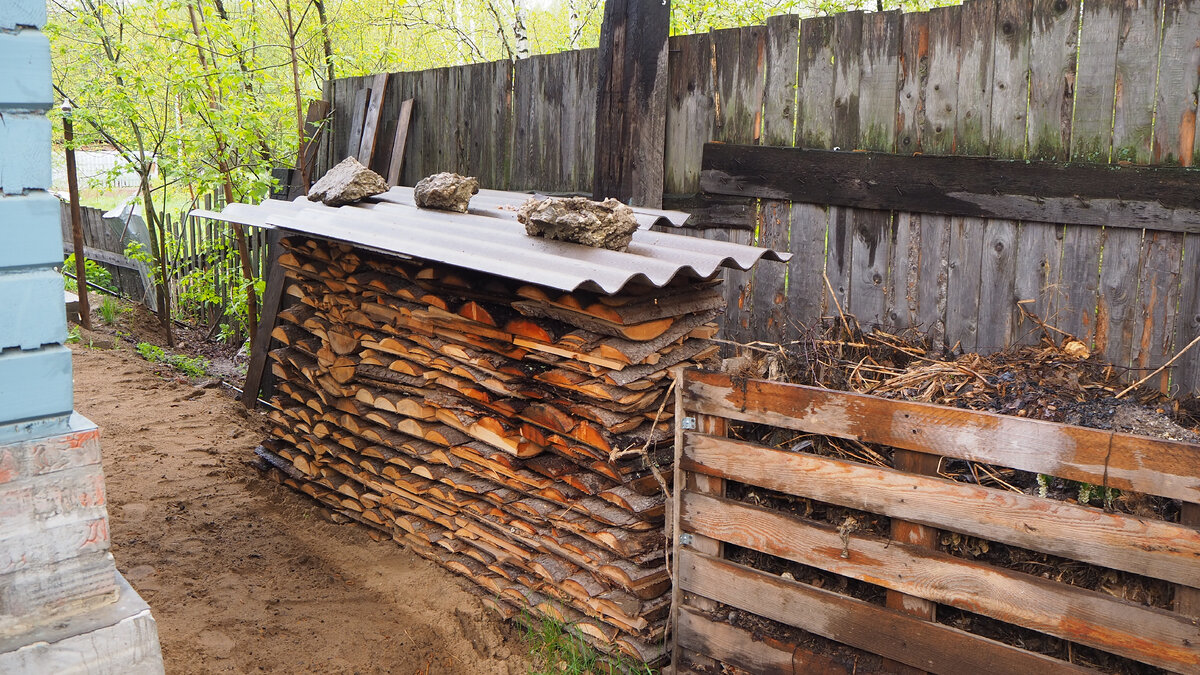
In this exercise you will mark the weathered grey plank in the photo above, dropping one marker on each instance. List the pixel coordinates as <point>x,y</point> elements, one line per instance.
<point>1051,85</point>
<point>846,136</point>
<point>814,129</point>
<point>690,111</point>
<point>914,72</point>
<point>814,118</point>
<point>903,300</point>
<point>997,299</point>
<point>1010,78</point>
<point>630,102</point>
<point>1133,120</point>
<point>974,108</point>
<point>1091,140</point>
<point>769,318</point>
<point>941,89</point>
<point>938,137</point>
<point>964,276</point>
<point>739,85</point>
<point>873,234</point>
<point>1186,375</point>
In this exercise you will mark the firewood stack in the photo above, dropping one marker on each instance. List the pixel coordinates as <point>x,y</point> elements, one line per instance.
<point>512,434</point>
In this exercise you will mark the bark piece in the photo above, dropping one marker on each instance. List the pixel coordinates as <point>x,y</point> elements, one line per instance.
<point>445,191</point>
<point>346,183</point>
<point>607,224</point>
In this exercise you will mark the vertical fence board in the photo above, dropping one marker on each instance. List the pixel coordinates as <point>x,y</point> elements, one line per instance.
<point>1173,143</point>
<point>1091,141</point>
<point>1051,98</point>
<point>769,290</point>
<point>904,308</point>
<point>847,73</point>
<point>740,55</point>
<point>814,122</point>
<point>1133,119</point>
<point>871,245</point>
<point>1186,373</point>
<point>938,137</point>
<point>690,111</point>
<point>974,107</point>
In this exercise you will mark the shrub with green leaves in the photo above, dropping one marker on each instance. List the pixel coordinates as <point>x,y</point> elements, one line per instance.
<point>96,274</point>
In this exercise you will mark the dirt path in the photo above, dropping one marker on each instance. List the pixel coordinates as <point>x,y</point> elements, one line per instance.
<point>246,576</point>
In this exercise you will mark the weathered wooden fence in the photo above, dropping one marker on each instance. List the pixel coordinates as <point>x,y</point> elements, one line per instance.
<point>897,574</point>
<point>105,241</point>
<point>205,271</point>
<point>1098,82</point>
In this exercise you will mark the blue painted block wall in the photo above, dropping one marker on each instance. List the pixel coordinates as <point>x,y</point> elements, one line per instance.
<point>35,369</point>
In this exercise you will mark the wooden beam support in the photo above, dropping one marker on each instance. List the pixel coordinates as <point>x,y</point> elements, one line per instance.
<point>258,371</point>
<point>1159,198</point>
<point>631,102</point>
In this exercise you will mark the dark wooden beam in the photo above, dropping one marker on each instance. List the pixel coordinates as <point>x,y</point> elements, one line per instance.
<point>1159,198</point>
<point>631,102</point>
<point>258,372</point>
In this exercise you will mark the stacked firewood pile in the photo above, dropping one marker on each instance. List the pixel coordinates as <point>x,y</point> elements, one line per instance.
<point>508,433</point>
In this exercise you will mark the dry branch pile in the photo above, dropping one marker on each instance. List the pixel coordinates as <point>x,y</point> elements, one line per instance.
<point>508,433</point>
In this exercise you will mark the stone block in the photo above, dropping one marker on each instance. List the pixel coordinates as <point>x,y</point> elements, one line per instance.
<point>119,638</point>
<point>30,230</point>
<point>14,13</point>
<point>25,70</point>
<point>40,595</point>
<point>34,310</point>
<point>52,499</point>
<point>75,445</point>
<point>24,152</point>
<point>35,384</point>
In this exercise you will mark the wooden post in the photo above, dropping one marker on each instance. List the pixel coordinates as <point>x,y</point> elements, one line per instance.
<point>918,535</point>
<point>85,312</point>
<point>631,102</point>
<point>258,370</point>
<point>1187,598</point>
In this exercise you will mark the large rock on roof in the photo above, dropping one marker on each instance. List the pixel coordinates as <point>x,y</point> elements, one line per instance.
<point>607,224</point>
<point>346,183</point>
<point>445,191</point>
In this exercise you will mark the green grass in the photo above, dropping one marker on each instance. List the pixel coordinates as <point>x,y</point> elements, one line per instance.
<point>192,366</point>
<point>109,309</point>
<point>559,649</point>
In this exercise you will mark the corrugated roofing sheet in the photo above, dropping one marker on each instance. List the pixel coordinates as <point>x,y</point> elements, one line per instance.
<point>490,239</point>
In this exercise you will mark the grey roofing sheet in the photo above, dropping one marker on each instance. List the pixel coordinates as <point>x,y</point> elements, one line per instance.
<point>491,241</point>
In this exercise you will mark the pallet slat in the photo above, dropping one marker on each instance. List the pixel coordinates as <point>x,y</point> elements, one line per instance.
<point>1124,461</point>
<point>1145,634</point>
<point>922,644</point>
<point>1143,546</point>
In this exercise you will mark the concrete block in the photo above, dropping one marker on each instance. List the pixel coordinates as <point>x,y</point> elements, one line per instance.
<point>35,384</point>
<point>34,310</point>
<point>15,13</point>
<point>40,595</point>
<point>42,426</point>
<point>52,499</point>
<point>30,230</point>
<point>25,70</point>
<point>76,444</point>
<point>120,638</point>
<point>30,548</point>
<point>24,152</point>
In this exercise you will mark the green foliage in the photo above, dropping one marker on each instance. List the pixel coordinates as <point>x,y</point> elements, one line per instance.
<point>96,273</point>
<point>109,308</point>
<point>192,366</point>
<point>559,648</point>
<point>74,335</point>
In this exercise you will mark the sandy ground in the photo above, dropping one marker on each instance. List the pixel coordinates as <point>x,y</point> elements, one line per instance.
<point>246,576</point>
